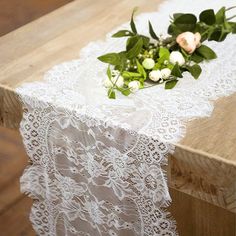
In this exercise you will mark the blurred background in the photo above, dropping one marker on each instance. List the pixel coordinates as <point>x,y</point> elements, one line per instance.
<point>14,206</point>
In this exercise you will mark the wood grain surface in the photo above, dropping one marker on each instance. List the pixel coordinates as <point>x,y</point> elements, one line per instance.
<point>14,206</point>
<point>15,13</point>
<point>204,163</point>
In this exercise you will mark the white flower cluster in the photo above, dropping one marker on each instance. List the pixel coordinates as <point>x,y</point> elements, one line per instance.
<point>118,81</point>
<point>163,74</point>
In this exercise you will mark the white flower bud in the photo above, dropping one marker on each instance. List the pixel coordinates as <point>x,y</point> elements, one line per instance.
<point>166,72</point>
<point>134,86</point>
<point>148,63</point>
<point>155,75</point>
<point>177,57</point>
<point>118,81</point>
<point>107,83</point>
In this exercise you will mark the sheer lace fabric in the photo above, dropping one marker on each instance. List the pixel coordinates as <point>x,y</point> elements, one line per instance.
<point>97,165</point>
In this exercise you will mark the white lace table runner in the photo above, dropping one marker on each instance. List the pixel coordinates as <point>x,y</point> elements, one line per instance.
<point>97,164</point>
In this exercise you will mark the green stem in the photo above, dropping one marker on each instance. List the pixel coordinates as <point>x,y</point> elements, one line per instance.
<point>156,84</point>
<point>230,8</point>
<point>230,18</point>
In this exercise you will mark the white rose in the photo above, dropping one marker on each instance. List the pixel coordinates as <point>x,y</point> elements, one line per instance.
<point>155,75</point>
<point>166,72</point>
<point>118,80</point>
<point>107,83</point>
<point>148,63</point>
<point>175,57</point>
<point>134,86</point>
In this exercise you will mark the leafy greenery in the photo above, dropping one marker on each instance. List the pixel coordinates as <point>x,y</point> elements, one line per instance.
<point>144,54</point>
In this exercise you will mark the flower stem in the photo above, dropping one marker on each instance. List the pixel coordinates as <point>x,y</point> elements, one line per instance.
<point>230,18</point>
<point>230,8</point>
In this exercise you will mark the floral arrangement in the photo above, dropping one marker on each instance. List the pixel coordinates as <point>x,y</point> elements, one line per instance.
<point>154,60</point>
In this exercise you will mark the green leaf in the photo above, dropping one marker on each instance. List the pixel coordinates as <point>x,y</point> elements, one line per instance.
<point>176,71</point>
<point>126,92</point>
<point>195,70</point>
<point>111,58</point>
<point>132,41</point>
<point>136,49</point>
<point>111,94</point>
<point>122,33</point>
<point>146,40</point>
<point>174,30</point>
<point>208,17</point>
<point>186,22</point>
<point>109,72</point>
<point>233,27</point>
<point>128,74</point>
<point>196,58</point>
<point>176,15</point>
<point>132,24</point>
<point>164,52</point>
<point>141,70</point>
<point>157,66</point>
<point>206,52</point>
<point>220,16</point>
<point>171,84</point>
<point>152,32</point>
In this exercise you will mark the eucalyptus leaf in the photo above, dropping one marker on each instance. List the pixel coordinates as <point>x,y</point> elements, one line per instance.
<point>206,52</point>
<point>122,33</point>
<point>208,17</point>
<point>171,84</point>
<point>152,32</point>
<point>111,58</point>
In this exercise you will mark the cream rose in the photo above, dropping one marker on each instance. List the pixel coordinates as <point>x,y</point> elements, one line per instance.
<point>189,41</point>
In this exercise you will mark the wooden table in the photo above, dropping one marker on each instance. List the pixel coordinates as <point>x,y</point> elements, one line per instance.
<point>202,172</point>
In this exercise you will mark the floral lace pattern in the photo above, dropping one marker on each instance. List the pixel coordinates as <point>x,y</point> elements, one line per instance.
<point>97,164</point>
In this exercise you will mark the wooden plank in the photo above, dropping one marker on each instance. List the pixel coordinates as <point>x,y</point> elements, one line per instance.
<point>204,163</point>
<point>15,221</point>
<point>195,217</point>
<point>9,195</point>
<point>14,206</point>
<point>14,13</point>
<point>13,158</point>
